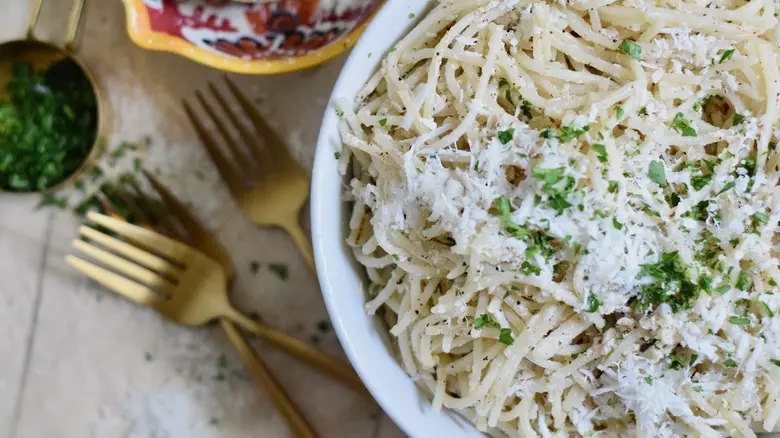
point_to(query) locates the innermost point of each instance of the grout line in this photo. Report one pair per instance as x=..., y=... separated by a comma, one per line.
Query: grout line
x=33, y=326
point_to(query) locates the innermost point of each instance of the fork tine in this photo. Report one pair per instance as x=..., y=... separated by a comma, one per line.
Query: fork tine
x=239, y=157
x=250, y=140
x=207, y=242
x=187, y=219
x=126, y=267
x=149, y=239
x=127, y=202
x=226, y=170
x=121, y=285
x=272, y=140
x=159, y=221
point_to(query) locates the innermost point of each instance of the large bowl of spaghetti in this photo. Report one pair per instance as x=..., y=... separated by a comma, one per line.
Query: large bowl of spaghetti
x=542, y=218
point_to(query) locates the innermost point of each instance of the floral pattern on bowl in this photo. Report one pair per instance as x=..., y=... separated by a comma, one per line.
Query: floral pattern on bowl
x=262, y=38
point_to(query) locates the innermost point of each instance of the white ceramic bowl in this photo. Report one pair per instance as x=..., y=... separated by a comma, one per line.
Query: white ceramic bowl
x=365, y=339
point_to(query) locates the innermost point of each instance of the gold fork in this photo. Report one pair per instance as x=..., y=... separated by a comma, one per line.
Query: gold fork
x=181, y=283
x=268, y=184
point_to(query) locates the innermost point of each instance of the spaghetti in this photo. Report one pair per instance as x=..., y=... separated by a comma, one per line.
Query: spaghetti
x=568, y=212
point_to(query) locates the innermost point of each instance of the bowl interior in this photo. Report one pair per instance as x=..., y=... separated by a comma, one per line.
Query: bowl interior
x=364, y=338
x=251, y=32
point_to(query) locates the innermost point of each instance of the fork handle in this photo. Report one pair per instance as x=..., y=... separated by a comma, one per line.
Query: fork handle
x=301, y=241
x=329, y=365
x=297, y=422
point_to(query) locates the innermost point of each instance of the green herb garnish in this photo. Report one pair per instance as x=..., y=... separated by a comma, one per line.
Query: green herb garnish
x=619, y=113
x=617, y=224
x=485, y=320
x=674, y=362
x=505, y=211
x=506, y=337
x=729, y=185
x=656, y=173
x=726, y=56
x=730, y=363
x=601, y=152
x=671, y=283
x=506, y=136
x=683, y=125
x=766, y=308
x=382, y=122
x=742, y=281
x=279, y=269
x=49, y=199
x=569, y=133
x=631, y=49
x=593, y=303
x=528, y=268
x=738, y=320
x=48, y=125
x=737, y=119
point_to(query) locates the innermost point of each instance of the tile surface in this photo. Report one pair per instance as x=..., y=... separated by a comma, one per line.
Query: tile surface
x=79, y=362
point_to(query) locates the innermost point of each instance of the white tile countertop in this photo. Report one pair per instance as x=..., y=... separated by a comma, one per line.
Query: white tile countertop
x=76, y=361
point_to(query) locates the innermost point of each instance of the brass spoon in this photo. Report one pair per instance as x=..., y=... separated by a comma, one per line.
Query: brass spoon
x=58, y=61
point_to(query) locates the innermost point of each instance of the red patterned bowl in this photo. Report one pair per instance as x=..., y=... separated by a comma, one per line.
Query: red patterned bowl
x=263, y=38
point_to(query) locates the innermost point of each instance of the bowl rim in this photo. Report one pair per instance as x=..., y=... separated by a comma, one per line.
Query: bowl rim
x=142, y=35
x=339, y=278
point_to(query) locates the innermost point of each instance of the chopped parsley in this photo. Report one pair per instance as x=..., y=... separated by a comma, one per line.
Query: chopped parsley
x=612, y=187
x=48, y=125
x=683, y=125
x=528, y=268
x=569, y=133
x=775, y=361
x=619, y=112
x=760, y=219
x=701, y=181
x=382, y=122
x=657, y=173
x=737, y=119
x=729, y=185
x=555, y=184
x=617, y=224
x=506, y=136
x=505, y=211
x=766, y=308
x=593, y=303
x=485, y=320
x=675, y=362
x=601, y=152
x=279, y=269
x=742, y=283
x=631, y=49
x=411, y=15
x=738, y=320
x=705, y=283
x=49, y=199
x=505, y=337
x=727, y=54
x=649, y=380
x=547, y=133
x=337, y=155
x=671, y=283
x=730, y=363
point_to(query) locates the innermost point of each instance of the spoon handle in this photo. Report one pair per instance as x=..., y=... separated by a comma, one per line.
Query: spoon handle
x=318, y=359
x=297, y=422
